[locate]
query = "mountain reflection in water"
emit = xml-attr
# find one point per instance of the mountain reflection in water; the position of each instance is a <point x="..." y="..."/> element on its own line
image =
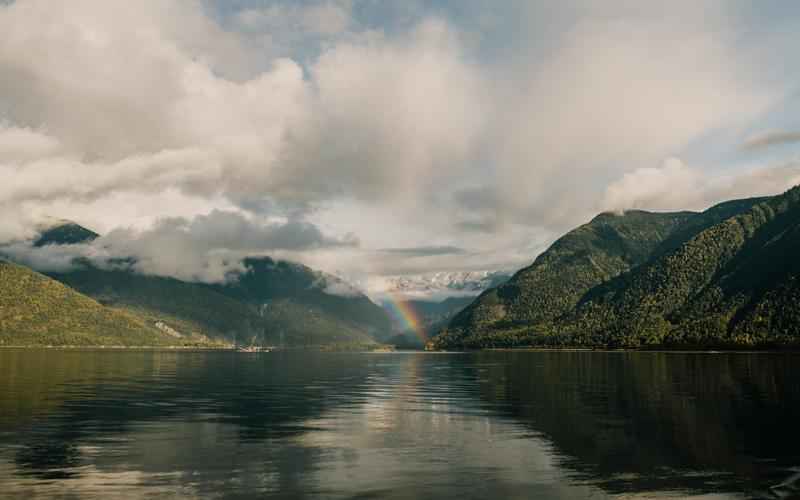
<point x="402" y="425"/>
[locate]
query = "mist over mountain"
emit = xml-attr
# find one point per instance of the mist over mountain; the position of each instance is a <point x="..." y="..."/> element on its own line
<point x="268" y="302"/>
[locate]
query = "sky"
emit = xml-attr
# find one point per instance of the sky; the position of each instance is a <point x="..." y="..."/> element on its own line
<point x="375" y="139"/>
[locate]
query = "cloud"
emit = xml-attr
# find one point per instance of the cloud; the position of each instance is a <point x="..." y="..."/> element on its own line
<point x="676" y="186"/>
<point x="769" y="138"/>
<point x="206" y="248"/>
<point x="616" y="93"/>
<point x="671" y="186"/>
<point x="498" y="127"/>
<point x="160" y="108"/>
<point x="20" y="144"/>
<point x="391" y="116"/>
<point x="50" y="258"/>
<point x="333" y="285"/>
<point x="425" y="251"/>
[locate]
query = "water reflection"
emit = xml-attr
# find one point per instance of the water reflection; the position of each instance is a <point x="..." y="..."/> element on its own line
<point x="634" y="422"/>
<point x="494" y="424"/>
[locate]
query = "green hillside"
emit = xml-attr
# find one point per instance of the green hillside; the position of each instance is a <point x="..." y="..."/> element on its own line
<point x="733" y="284"/>
<point x="585" y="257"/>
<point x="723" y="277"/>
<point x="36" y="310"/>
<point x="299" y="325"/>
<point x="188" y="308"/>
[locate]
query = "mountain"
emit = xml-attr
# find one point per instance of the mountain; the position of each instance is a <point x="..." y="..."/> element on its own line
<point x="271" y="302"/>
<point x="187" y="308"/>
<point x="445" y="283"/>
<point x="585" y="257"/>
<point x="436" y="312"/>
<point x="63" y="232"/>
<point x="724" y="277"/>
<point x="37" y="310"/>
<point x="309" y="306"/>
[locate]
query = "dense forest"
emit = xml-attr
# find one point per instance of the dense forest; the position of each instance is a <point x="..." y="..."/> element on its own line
<point x="726" y="277"/>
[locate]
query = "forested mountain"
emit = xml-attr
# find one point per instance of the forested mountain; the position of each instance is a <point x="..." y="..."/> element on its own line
<point x="64" y="232"/>
<point x="306" y="305"/>
<point x="724" y="277"/>
<point x="185" y="307"/>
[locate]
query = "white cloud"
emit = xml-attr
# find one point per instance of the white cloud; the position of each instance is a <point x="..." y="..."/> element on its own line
<point x="393" y="117"/>
<point x="673" y="186"/>
<point x="676" y="186"/>
<point x="21" y="144"/>
<point x="616" y="94"/>
<point x="206" y="248"/>
<point x="402" y="133"/>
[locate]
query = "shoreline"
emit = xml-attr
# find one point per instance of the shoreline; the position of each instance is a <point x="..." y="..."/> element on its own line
<point x="118" y="348"/>
<point x="792" y="350"/>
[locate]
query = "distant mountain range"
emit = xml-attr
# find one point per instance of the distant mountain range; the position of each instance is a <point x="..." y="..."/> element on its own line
<point x="728" y="276"/>
<point x="271" y="302"/>
<point x="444" y="284"/>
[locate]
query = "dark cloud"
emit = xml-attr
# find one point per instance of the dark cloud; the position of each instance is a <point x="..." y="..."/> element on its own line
<point x="478" y="226"/>
<point x="478" y="199"/>
<point x="427" y="251"/>
<point x="770" y="138"/>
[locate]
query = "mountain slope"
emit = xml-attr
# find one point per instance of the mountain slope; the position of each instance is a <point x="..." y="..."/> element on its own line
<point x="587" y="256"/>
<point x="36" y="310"/>
<point x="733" y="283"/>
<point x="188" y="308"/>
<point x="640" y="278"/>
<point x="299" y="299"/>
<point x="64" y="232"/>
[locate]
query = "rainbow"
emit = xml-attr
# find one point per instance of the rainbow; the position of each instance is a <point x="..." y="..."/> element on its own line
<point x="405" y="314"/>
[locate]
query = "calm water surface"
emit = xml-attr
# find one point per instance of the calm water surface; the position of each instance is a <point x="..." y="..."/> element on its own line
<point x="99" y="424"/>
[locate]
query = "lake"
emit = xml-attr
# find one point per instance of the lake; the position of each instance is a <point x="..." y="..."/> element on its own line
<point x="175" y="424"/>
